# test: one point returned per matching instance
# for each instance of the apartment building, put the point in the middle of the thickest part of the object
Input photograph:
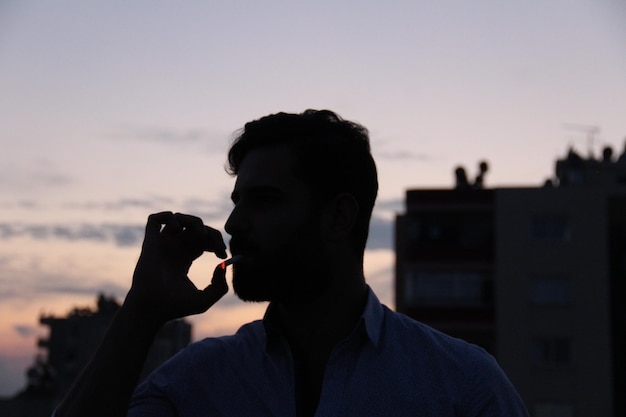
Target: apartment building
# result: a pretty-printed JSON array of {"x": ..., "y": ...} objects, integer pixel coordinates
[{"x": 536, "y": 276}]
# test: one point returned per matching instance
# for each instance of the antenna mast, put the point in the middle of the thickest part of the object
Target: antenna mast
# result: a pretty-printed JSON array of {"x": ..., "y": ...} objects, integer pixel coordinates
[{"x": 591, "y": 132}]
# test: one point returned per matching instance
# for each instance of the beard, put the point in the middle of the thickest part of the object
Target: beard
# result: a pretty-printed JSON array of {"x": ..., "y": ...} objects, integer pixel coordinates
[{"x": 295, "y": 273}]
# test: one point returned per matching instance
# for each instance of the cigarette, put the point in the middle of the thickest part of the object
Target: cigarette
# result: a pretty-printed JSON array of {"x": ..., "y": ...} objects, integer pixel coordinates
[{"x": 230, "y": 261}]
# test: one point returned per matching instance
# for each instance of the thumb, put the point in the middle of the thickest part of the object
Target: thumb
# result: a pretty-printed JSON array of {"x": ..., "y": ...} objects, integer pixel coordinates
[{"x": 217, "y": 288}]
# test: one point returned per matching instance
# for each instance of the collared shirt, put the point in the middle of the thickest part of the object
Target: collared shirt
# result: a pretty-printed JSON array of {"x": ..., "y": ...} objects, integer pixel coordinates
[{"x": 390, "y": 365}]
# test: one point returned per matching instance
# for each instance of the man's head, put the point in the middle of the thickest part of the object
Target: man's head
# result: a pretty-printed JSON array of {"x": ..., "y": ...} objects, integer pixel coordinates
[
  {"x": 332, "y": 157},
  {"x": 305, "y": 189}
]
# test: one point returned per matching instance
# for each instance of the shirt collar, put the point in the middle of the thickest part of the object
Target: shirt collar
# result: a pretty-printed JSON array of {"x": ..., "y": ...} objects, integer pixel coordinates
[
  {"x": 273, "y": 337},
  {"x": 372, "y": 318}
]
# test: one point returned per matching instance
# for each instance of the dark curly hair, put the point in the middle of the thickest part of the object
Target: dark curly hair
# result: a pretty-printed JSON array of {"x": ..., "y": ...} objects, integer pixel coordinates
[{"x": 333, "y": 155}]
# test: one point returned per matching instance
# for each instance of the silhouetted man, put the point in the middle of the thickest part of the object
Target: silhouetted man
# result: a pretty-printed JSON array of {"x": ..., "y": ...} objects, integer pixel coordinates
[{"x": 305, "y": 189}]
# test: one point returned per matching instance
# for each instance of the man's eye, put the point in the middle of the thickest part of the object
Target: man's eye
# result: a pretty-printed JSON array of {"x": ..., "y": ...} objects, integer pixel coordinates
[
  {"x": 260, "y": 198},
  {"x": 265, "y": 198}
]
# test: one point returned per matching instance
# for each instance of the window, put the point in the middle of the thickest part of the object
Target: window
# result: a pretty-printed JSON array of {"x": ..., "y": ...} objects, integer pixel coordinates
[
  {"x": 551, "y": 227},
  {"x": 463, "y": 229},
  {"x": 550, "y": 291},
  {"x": 554, "y": 352},
  {"x": 448, "y": 289}
]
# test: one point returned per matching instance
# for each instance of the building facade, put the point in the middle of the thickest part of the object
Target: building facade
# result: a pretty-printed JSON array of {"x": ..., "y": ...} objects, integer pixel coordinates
[
  {"x": 536, "y": 276},
  {"x": 72, "y": 340}
]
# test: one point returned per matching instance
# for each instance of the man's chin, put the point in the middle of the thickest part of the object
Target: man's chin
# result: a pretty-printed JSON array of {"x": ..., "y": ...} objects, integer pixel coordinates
[
  {"x": 260, "y": 282},
  {"x": 250, "y": 296},
  {"x": 251, "y": 289}
]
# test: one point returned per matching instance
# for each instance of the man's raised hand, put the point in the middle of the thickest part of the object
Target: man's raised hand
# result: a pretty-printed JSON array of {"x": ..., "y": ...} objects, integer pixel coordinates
[{"x": 161, "y": 290}]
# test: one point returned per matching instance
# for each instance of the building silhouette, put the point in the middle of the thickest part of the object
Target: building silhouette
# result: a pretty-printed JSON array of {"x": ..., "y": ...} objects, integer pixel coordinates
[
  {"x": 536, "y": 276},
  {"x": 71, "y": 342}
]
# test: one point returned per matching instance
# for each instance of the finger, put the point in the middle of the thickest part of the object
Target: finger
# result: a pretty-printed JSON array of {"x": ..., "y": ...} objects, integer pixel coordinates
[
  {"x": 171, "y": 226},
  {"x": 192, "y": 236},
  {"x": 189, "y": 221},
  {"x": 217, "y": 289},
  {"x": 209, "y": 239},
  {"x": 212, "y": 293},
  {"x": 156, "y": 221},
  {"x": 214, "y": 242}
]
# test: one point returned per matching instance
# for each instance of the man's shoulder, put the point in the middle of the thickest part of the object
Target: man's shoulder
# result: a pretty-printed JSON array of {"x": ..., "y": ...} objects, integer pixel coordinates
[
  {"x": 426, "y": 340},
  {"x": 248, "y": 338},
  {"x": 460, "y": 369},
  {"x": 401, "y": 334}
]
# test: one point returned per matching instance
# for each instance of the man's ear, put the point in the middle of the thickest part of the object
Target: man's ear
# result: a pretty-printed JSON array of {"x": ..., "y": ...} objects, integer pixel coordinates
[{"x": 342, "y": 212}]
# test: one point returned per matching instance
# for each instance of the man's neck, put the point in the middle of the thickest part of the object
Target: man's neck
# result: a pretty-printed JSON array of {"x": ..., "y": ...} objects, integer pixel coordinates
[{"x": 315, "y": 327}]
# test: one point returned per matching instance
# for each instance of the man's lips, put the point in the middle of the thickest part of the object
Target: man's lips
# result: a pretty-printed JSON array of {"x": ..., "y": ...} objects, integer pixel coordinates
[{"x": 237, "y": 247}]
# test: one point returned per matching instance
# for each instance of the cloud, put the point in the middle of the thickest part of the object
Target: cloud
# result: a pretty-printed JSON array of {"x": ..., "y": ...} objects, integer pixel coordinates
[
  {"x": 34, "y": 176},
  {"x": 128, "y": 235},
  {"x": 382, "y": 223},
  {"x": 381, "y": 234},
  {"x": 124, "y": 235},
  {"x": 403, "y": 154},
  {"x": 24, "y": 330},
  {"x": 206, "y": 209},
  {"x": 153, "y": 203},
  {"x": 394, "y": 205},
  {"x": 119, "y": 234},
  {"x": 21, "y": 205},
  {"x": 62, "y": 285},
  {"x": 25, "y": 284},
  {"x": 210, "y": 140}
]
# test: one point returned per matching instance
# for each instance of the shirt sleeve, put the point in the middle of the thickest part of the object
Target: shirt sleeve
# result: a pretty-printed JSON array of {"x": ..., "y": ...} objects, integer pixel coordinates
[
  {"x": 149, "y": 400},
  {"x": 491, "y": 392}
]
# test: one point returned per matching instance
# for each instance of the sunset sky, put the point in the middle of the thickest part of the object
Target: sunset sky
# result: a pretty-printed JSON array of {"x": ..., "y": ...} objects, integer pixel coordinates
[{"x": 110, "y": 111}]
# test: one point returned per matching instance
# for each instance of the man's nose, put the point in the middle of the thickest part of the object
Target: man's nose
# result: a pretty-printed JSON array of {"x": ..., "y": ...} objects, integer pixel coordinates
[{"x": 235, "y": 223}]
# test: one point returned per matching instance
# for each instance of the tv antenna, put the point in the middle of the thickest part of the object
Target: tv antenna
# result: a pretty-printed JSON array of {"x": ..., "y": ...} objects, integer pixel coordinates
[{"x": 591, "y": 133}]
